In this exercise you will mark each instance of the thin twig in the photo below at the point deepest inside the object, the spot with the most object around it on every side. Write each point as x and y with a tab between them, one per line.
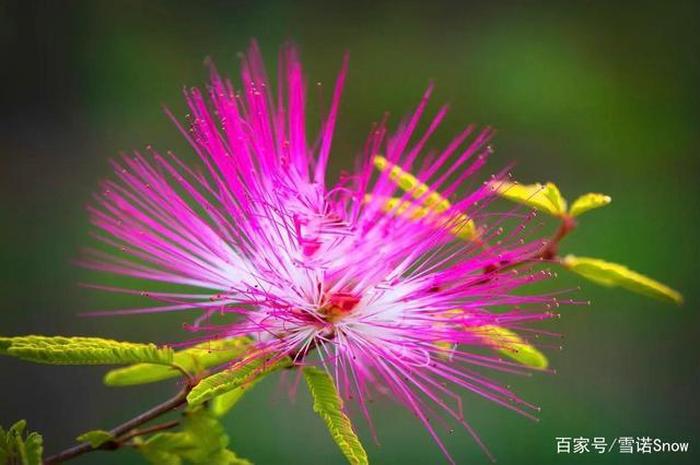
120	430
151	429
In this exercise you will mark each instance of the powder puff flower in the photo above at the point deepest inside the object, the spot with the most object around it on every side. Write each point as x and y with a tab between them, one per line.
394	283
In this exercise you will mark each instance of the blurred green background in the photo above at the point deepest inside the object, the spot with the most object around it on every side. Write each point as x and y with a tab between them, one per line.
597	96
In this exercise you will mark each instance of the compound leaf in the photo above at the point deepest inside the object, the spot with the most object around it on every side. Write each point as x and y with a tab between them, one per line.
510	344
240	374
95	437
612	274
589	202
546	198
59	350
192	360
329	406
16	448
409	183
459	224
202	441
220	405
163	448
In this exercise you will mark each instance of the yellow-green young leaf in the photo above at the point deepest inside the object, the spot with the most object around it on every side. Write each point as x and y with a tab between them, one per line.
159	457
95	437
140	373
220	405
329	405
431	202
589	202
412	185
211	440
202	441
16	448
241	373
446	348
546	198
30	450
510	344
5	343
9	440
163	448
459	224
612	274
193	360
59	350
4	453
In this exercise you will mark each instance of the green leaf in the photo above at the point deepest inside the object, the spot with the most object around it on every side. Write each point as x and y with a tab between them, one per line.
207	434
161	448
31	449
510	344
220	405
59	350
459	224
502	340
4	452
589	202
202	441
18	449
5	343
431	202
18	428
546	198
8	443
141	373
412	185
241	373
612	274
96	437
193	360
329	405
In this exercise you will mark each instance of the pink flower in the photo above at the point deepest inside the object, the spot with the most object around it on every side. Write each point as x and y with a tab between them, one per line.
376	277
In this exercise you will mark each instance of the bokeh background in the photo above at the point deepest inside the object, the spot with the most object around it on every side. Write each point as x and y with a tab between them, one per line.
597	96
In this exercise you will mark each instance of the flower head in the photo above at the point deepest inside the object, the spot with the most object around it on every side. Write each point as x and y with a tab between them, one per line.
390	281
